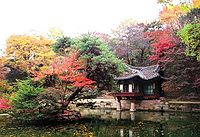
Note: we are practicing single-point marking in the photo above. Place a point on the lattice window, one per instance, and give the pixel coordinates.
(125, 88)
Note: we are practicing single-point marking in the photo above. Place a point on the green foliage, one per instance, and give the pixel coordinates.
(102, 64)
(25, 95)
(98, 52)
(190, 36)
(24, 103)
(61, 45)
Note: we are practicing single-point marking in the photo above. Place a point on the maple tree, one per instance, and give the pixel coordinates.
(168, 52)
(162, 42)
(69, 73)
(28, 52)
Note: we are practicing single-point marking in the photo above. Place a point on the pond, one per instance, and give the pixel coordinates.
(111, 123)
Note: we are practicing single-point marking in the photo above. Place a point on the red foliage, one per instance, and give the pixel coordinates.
(69, 70)
(4, 103)
(162, 42)
(168, 52)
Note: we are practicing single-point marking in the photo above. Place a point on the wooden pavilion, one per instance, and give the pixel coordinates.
(139, 83)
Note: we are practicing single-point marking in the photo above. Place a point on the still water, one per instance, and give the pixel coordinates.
(110, 123)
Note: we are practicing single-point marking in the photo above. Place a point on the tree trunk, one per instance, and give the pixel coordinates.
(70, 98)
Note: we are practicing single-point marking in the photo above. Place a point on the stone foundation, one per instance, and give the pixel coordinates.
(148, 105)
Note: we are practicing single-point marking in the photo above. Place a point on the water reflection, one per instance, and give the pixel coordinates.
(127, 115)
(150, 124)
(111, 123)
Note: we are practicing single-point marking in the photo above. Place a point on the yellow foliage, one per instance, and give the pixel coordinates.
(171, 13)
(195, 3)
(27, 52)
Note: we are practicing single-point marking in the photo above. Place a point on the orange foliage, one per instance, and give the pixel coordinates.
(170, 14)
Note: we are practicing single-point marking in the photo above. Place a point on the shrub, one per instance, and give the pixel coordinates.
(24, 103)
(49, 101)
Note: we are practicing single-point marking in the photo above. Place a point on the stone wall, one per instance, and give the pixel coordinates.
(147, 105)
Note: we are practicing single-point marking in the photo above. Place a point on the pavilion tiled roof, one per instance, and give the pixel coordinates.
(145, 73)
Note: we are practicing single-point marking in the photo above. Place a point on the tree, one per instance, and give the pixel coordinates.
(190, 36)
(131, 44)
(191, 17)
(28, 52)
(162, 42)
(70, 76)
(62, 45)
(3, 82)
(105, 38)
(101, 64)
(181, 72)
(170, 14)
(168, 51)
(24, 103)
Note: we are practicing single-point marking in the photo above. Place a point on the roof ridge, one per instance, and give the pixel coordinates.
(145, 73)
(141, 74)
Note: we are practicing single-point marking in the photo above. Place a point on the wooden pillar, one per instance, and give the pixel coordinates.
(132, 106)
(118, 102)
